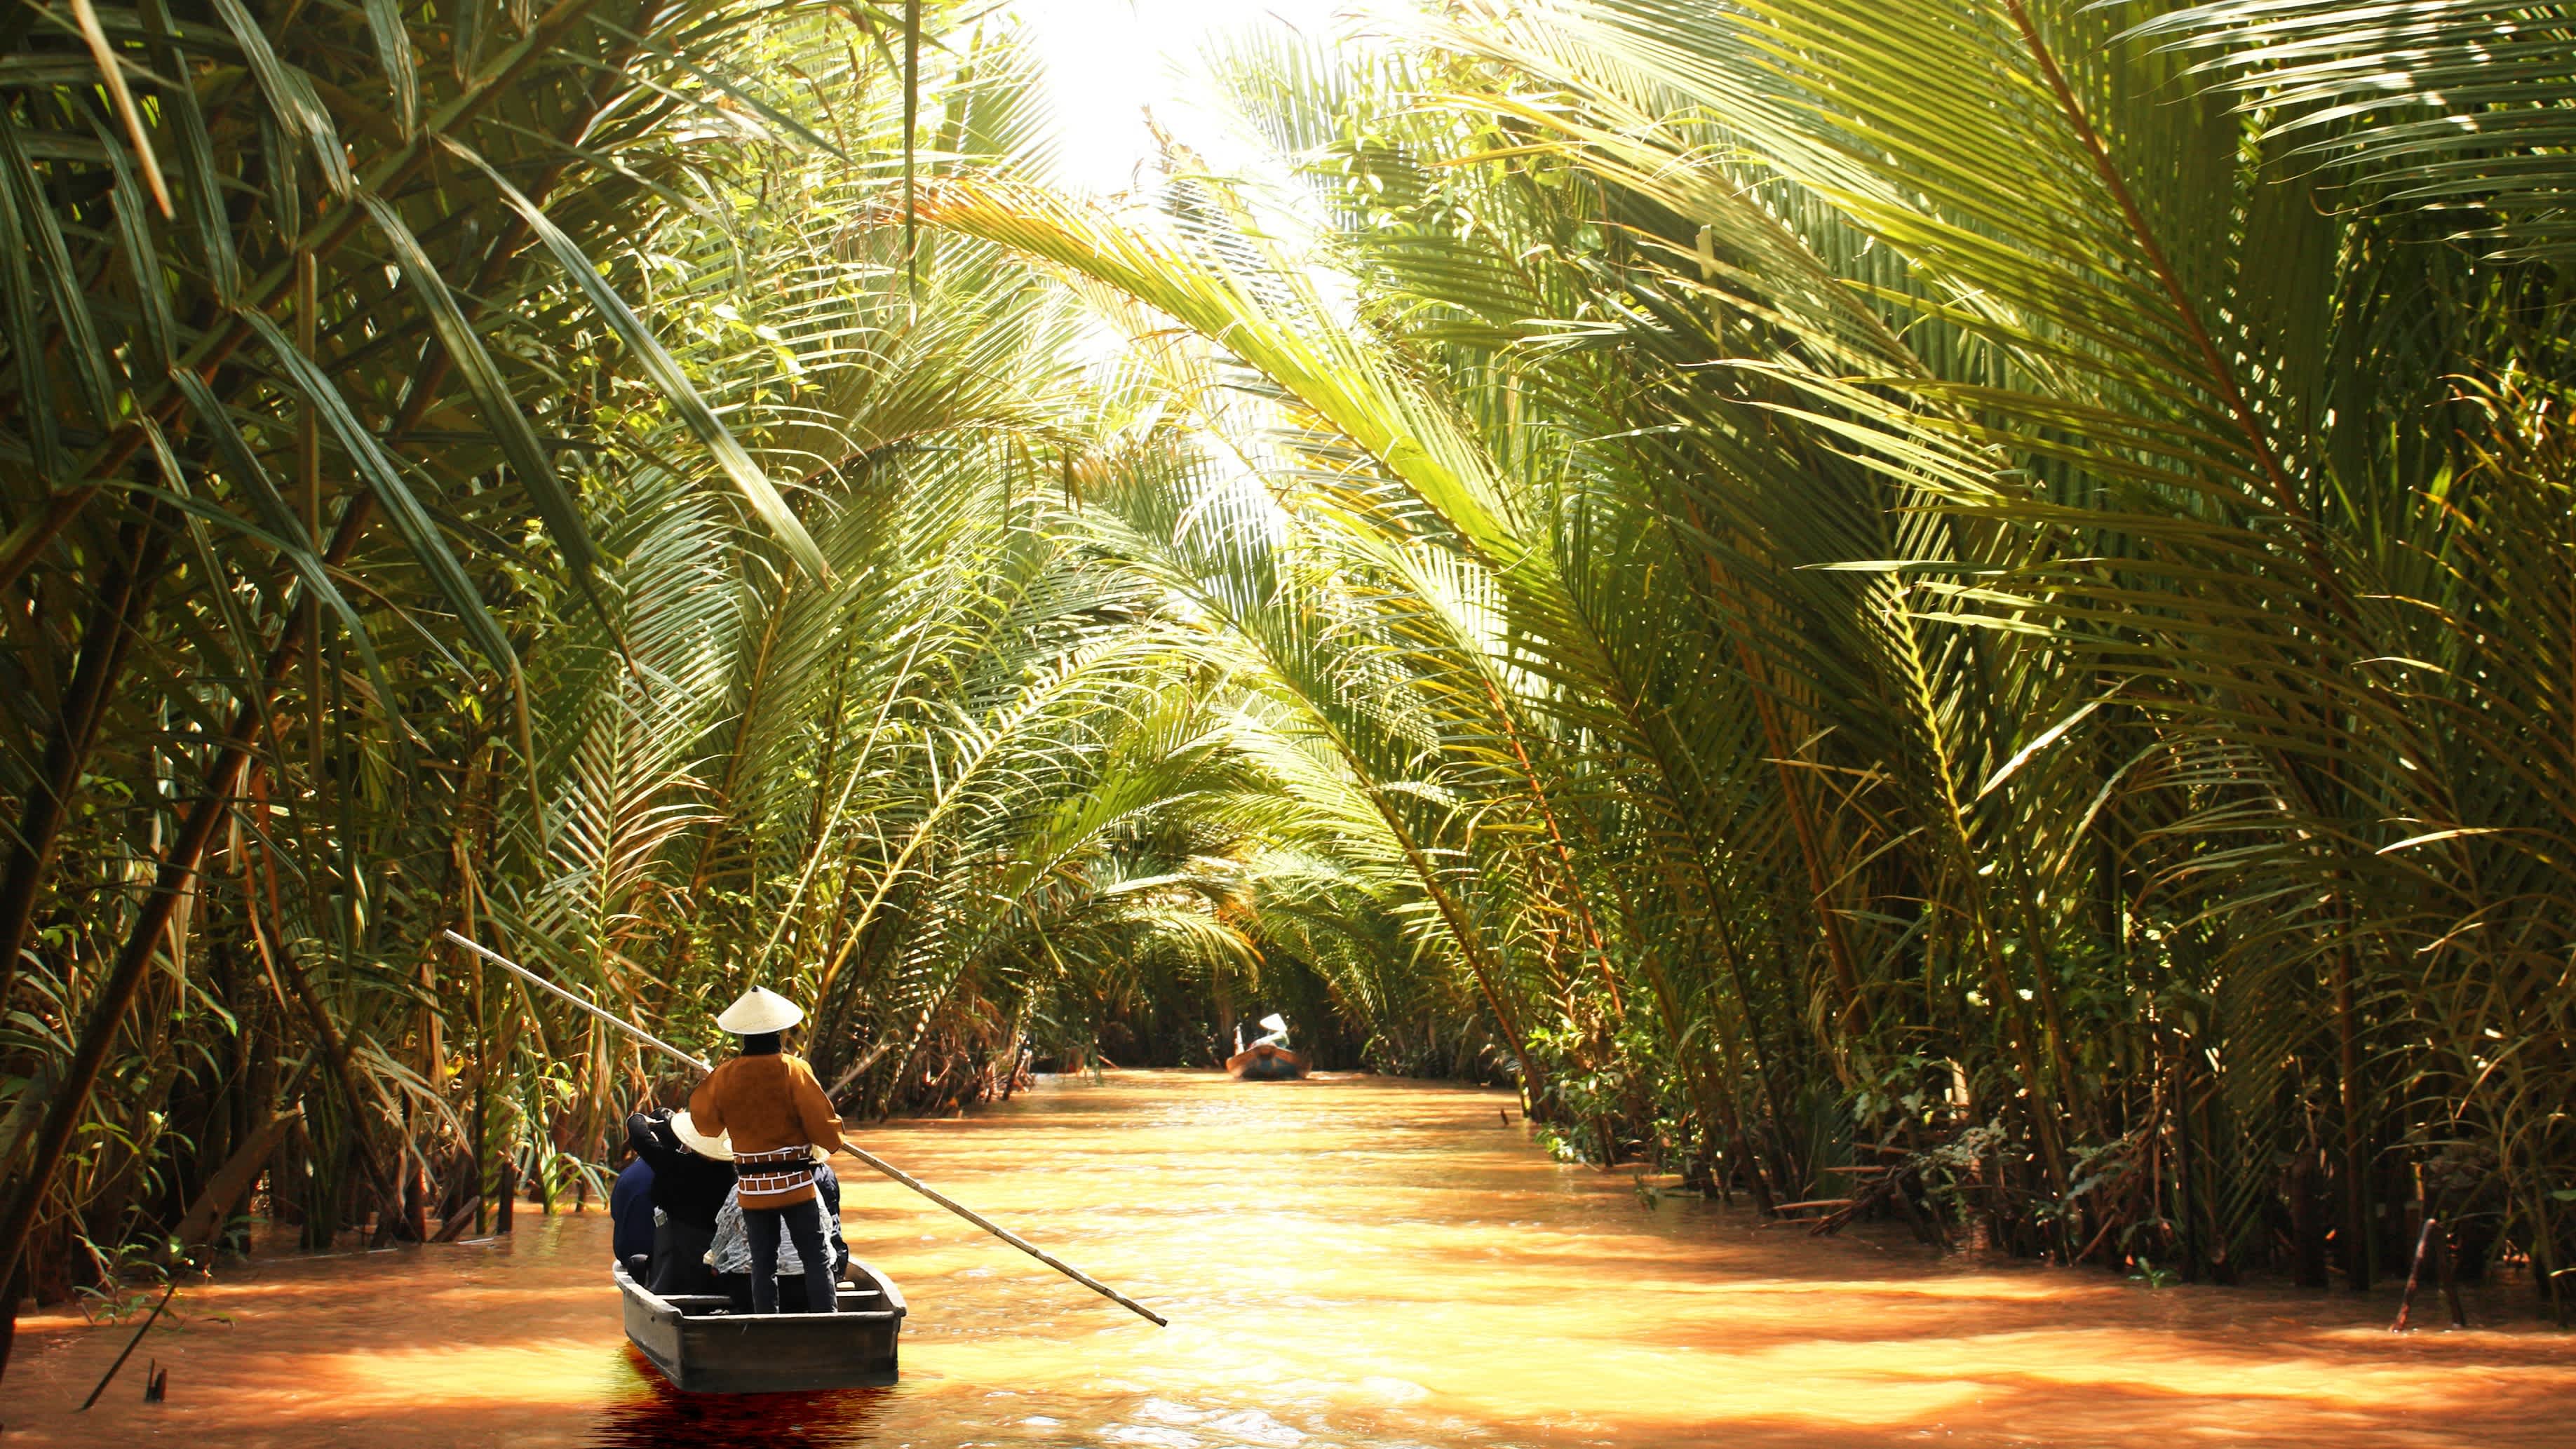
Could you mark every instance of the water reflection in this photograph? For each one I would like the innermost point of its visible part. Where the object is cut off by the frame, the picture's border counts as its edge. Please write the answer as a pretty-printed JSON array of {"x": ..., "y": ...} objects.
[
  {"x": 1350, "y": 1264},
  {"x": 650, "y": 1414}
]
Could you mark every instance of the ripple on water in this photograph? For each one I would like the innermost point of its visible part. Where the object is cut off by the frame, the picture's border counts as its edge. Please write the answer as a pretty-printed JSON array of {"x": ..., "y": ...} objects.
[{"x": 1160, "y": 1435}]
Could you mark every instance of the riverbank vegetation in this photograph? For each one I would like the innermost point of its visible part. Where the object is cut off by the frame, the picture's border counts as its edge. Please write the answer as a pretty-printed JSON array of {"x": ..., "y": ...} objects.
[{"x": 1961, "y": 610}]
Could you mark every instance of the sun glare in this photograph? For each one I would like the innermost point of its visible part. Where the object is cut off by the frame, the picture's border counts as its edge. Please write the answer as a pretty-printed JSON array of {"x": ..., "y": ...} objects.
[{"x": 1111, "y": 62}]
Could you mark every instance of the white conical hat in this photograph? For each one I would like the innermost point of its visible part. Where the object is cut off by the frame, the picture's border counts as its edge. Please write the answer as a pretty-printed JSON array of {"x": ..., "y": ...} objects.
[
  {"x": 1274, "y": 1022},
  {"x": 719, "y": 1148},
  {"x": 758, "y": 1010}
]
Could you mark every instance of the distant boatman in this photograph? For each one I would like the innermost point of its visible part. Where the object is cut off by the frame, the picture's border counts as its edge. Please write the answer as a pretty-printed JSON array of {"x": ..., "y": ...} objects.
[{"x": 781, "y": 1125}]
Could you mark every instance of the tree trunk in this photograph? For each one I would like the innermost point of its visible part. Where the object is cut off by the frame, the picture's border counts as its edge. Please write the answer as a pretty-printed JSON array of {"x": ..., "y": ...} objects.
[
  {"x": 124, "y": 596},
  {"x": 2357, "y": 1245},
  {"x": 16, "y": 1290},
  {"x": 176, "y": 877},
  {"x": 2307, "y": 1229},
  {"x": 178, "y": 868},
  {"x": 203, "y": 1224},
  {"x": 335, "y": 1053},
  {"x": 2178, "y": 1112}
]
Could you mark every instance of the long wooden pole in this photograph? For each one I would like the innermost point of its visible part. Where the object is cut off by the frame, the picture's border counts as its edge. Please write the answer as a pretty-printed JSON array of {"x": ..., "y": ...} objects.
[{"x": 870, "y": 1158}]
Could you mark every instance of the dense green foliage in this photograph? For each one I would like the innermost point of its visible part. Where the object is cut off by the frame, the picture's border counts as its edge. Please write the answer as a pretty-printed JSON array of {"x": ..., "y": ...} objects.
[
  {"x": 1958, "y": 608},
  {"x": 730, "y": 624}
]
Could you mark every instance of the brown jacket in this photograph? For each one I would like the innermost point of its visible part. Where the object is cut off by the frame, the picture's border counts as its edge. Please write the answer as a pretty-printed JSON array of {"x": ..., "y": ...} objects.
[{"x": 767, "y": 1103}]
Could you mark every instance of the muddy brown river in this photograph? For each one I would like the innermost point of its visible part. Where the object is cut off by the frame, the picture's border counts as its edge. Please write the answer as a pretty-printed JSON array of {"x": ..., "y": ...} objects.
[{"x": 1355, "y": 1263}]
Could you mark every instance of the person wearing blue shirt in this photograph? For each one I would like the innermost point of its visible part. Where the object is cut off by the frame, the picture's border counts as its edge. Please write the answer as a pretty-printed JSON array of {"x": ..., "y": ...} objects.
[{"x": 630, "y": 1207}]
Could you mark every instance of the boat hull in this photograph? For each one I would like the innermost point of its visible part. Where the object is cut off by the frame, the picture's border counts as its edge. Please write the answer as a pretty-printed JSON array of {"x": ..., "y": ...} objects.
[
  {"x": 703, "y": 1347},
  {"x": 1267, "y": 1064}
]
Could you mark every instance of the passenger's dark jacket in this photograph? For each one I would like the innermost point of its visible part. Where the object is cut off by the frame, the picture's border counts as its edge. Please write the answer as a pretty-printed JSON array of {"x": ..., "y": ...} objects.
[
  {"x": 630, "y": 1205},
  {"x": 687, "y": 1188}
]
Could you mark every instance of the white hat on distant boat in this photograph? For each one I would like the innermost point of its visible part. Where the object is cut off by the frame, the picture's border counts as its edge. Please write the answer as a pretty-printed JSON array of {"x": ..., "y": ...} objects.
[
  {"x": 759, "y": 1010},
  {"x": 719, "y": 1148}
]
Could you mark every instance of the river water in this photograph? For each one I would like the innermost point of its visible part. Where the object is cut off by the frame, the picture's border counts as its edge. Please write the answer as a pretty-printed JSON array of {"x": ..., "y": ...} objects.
[{"x": 1355, "y": 1262}]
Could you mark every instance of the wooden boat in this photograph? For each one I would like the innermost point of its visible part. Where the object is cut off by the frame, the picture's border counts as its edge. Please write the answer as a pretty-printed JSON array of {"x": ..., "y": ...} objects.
[
  {"x": 1264, "y": 1062},
  {"x": 703, "y": 1347}
]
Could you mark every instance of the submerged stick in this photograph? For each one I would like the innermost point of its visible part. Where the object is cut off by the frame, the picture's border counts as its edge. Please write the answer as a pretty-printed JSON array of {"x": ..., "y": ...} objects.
[
  {"x": 871, "y": 1159},
  {"x": 2414, "y": 1275},
  {"x": 2446, "y": 1264},
  {"x": 131, "y": 1344}
]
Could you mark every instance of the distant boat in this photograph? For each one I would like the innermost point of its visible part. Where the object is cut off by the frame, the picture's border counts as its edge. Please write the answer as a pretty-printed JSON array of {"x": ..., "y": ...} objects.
[
  {"x": 703, "y": 1347},
  {"x": 1266, "y": 1062}
]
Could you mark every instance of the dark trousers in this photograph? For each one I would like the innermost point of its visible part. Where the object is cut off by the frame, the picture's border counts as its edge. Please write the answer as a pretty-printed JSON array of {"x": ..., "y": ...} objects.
[
  {"x": 736, "y": 1287},
  {"x": 680, "y": 1259},
  {"x": 804, "y": 1223}
]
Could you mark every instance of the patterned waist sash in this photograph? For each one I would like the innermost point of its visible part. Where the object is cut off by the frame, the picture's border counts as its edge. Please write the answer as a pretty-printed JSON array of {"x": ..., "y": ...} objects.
[{"x": 784, "y": 1170}]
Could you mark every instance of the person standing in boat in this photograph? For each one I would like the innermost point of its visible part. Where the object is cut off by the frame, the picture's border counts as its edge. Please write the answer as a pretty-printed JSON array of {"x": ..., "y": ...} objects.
[
  {"x": 728, "y": 1256},
  {"x": 780, "y": 1126}
]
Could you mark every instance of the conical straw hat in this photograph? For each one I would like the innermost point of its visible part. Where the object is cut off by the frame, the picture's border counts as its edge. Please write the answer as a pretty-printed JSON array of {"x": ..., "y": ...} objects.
[
  {"x": 759, "y": 1010},
  {"x": 719, "y": 1148}
]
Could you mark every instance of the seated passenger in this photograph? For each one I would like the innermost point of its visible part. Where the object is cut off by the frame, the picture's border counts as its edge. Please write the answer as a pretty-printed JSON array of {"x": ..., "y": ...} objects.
[
  {"x": 729, "y": 1256},
  {"x": 692, "y": 1174},
  {"x": 630, "y": 1208}
]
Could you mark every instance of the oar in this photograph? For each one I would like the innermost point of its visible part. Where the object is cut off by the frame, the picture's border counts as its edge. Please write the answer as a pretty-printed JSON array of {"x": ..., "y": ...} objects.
[{"x": 870, "y": 1158}]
